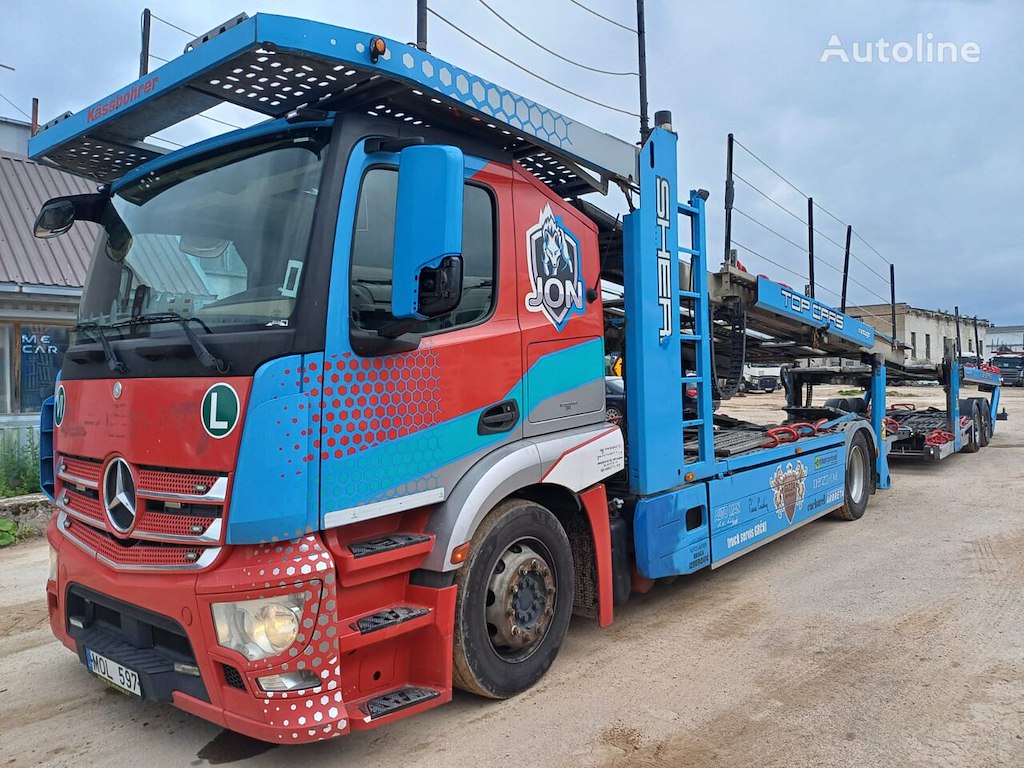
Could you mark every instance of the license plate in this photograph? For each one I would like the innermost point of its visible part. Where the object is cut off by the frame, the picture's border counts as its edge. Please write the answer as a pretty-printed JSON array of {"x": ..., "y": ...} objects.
[{"x": 118, "y": 676}]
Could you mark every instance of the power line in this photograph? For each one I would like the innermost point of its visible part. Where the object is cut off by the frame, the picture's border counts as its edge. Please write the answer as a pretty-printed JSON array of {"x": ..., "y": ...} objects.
[
  {"x": 175, "y": 26},
  {"x": 765, "y": 226},
  {"x": 600, "y": 16},
  {"x": 158, "y": 58},
  {"x": 527, "y": 71},
  {"x": 26, "y": 114},
  {"x": 222, "y": 122},
  {"x": 762, "y": 162},
  {"x": 522, "y": 34},
  {"x": 167, "y": 141},
  {"x": 768, "y": 198}
]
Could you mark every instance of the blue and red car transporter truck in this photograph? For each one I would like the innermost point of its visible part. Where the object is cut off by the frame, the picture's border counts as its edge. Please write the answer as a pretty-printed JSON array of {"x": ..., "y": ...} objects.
[{"x": 331, "y": 436}]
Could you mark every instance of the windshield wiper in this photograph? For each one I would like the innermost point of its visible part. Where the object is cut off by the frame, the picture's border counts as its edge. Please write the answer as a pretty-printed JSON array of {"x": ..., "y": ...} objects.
[
  {"x": 205, "y": 356},
  {"x": 113, "y": 361}
]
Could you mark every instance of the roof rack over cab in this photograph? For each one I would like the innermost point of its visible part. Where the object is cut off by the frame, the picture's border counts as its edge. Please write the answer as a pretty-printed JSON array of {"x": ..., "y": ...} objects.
[{"x": 275, "y": 64}]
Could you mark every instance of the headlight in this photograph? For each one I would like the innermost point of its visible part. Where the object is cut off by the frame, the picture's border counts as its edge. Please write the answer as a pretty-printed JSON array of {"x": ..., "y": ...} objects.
[
  {"x": 259, "y": 628},
  {"x": 52, "y": 574}
]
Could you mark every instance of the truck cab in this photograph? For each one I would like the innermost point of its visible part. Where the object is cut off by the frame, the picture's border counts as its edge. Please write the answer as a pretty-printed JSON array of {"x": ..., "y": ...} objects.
[{"x": 1011, "y": 368}]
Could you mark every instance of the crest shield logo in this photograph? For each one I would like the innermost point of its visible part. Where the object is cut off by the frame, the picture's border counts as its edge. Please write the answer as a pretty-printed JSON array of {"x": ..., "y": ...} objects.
[
  {"x": 789, "y": 488},
  {"x": 555, "y": 274}
]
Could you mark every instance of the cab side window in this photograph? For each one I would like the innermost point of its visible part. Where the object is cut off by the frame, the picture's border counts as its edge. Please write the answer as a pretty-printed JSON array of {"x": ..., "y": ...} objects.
[{"x": 373, "y": 244}]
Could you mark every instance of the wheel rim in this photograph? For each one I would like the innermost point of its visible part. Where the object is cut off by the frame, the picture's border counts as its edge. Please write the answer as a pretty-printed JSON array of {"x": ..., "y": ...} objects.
[
  {"x": 613, "y": 415},
  {"x": 521, "y": 598},
  {"x": 858, "y": 473}
]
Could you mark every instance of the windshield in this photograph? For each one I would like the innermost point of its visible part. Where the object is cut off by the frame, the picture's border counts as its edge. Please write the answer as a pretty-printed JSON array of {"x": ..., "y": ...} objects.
[
  {"x": 1008, "y": 363},
  {"x": 223, "y": 239}
]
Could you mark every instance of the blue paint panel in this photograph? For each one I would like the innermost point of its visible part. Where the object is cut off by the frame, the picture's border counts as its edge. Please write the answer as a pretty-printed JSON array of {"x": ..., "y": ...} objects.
[
  {"x": 789, "y": 303},
  {"x": 563, "y": 370},
  {"x": 978, "y": 376},
  {"x": 46, "y": 483},
  {"x": 654, "y": 397},
  {"x": 752, "y": 506},
  {"x": 275, "y": 492},
  {"x": 663, "y": 545},
  {"x": 876, "y": 396}
]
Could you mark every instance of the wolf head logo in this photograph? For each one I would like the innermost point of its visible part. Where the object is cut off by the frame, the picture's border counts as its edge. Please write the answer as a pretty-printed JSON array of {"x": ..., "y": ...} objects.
[{"x": 554, "y": 262}]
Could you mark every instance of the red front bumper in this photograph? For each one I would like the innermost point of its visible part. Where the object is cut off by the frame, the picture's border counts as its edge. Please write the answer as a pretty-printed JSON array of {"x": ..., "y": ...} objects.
[{"x": 235, "y": 699}]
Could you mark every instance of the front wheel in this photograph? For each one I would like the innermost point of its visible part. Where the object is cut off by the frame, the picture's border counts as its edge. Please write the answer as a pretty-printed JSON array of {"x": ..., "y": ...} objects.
[
  {"x": 514, "y": 601},
  {"x": 858, "y": 479}
]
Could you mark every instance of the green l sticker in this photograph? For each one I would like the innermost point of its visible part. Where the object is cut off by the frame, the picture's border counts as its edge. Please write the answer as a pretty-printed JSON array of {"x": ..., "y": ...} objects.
[
  {"x": 59, "y": 402},
  {"x": 220, "y": 410}
]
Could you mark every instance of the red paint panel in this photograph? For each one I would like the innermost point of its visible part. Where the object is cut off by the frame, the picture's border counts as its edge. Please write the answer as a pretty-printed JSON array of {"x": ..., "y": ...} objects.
[{"x": 154, "y": 421}]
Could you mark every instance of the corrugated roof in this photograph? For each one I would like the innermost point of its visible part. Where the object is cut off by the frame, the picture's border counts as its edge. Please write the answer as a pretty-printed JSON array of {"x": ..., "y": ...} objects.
[{"x": 24, "y": 259}]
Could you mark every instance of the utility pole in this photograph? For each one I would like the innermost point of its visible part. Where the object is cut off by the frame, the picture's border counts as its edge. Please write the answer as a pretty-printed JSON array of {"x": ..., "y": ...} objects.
[
  {"x": 147, "y": 20},
  {"x": 641, "y": 40},
  {"x": 421, "y": 24}
]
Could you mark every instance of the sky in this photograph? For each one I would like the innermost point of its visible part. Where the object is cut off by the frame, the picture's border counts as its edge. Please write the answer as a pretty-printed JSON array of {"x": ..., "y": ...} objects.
[{"x": 924, "y": 160}]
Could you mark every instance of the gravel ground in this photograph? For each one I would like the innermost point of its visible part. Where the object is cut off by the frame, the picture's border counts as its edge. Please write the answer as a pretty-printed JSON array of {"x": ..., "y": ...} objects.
[{"x": 897, "y": 640}]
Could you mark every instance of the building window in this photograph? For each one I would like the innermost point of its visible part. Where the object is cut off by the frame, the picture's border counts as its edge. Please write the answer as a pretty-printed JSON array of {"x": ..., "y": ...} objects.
[
  {"x": 970, "y": 344},
  {"x": 927, "y": 346},
  {"x": 42, "y": 349},
  {"x": 30, "y": 357},
  {"x": 913, "y": 345}
]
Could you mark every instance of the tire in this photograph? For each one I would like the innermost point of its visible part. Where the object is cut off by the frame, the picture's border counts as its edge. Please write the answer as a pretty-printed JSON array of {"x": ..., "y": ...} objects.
[
  {"x": 984, "y": 408},
  {"x": 836, "y": 402},
  {"x": 613, "y": 415},
  {"x": 520, "y": 547},
  {"x": 859, "y": 477},
  {"x": 973, "y": 442}
]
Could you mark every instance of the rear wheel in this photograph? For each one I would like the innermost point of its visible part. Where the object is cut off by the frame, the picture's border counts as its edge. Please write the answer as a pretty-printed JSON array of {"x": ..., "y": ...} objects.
[
  {"x": 985, "y": 432},
  {"x": 858, "y": 479},
  {"x": 972, "y": 444},
  {"x": 514, "y": 601}
]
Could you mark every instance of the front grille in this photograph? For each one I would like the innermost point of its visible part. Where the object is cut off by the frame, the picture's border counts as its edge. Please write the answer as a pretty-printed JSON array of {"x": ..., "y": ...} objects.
[
  {"x": 145, "y": 642},
  {"x": 173, "y": 507},
  {"x": 233, "y": 677},
  {"x": 175, "y": 481},
  {"x": 136, "y": 555}
]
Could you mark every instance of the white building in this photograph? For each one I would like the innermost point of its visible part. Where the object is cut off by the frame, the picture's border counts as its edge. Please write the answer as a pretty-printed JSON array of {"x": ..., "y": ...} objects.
[
  {"x": 1005, "y": 338},
  {"x": 924, "y": 330}
]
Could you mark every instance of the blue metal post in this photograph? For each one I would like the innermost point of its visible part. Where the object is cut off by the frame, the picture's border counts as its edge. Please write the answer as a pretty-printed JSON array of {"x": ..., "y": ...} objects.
[
  {"x": 654, "y": 398},
  {"x": 878, "y": 381},
  {"x": 953, "y": 401}
]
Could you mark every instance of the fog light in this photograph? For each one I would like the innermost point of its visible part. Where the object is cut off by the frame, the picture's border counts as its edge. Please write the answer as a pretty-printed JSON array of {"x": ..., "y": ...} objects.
[{"x": 289, "y": 681}]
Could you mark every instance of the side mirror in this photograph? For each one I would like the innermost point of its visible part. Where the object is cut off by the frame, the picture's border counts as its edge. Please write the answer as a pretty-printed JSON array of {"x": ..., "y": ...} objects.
[
  {"x": 55, "y": 218},
  {"x": 427, "y": 267}
]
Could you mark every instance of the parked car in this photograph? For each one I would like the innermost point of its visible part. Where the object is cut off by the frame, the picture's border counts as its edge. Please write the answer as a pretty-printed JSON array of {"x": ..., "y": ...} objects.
[{"x": 615, "y": 400}]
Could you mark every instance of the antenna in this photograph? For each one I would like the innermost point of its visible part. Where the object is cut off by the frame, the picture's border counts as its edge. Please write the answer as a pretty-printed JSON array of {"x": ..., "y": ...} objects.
[{"x": 641, "y": 41}]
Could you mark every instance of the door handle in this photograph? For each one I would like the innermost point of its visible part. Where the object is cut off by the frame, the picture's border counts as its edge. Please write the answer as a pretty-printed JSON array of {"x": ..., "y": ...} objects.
[{"x": 498, "y": 418}]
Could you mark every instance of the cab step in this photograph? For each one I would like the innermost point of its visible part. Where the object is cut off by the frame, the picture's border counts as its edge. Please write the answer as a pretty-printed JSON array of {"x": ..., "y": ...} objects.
[
  {"x": 372, "y": 559},
  {"x": 389, "y": 617},
  {"x": 367, "y": 547},
  {"x": 383, "y": 626},
  {"x": 397, "y": 700}
]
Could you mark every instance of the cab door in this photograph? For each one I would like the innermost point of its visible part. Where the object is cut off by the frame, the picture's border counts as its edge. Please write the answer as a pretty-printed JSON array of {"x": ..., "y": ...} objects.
[
  {"x": 559, "y": 309},
  {"x": 401, "y": 426}
]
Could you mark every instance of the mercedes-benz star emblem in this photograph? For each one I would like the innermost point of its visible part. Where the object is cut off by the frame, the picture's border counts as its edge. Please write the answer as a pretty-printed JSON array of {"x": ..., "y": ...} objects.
[{"x": 119, "y": 495}]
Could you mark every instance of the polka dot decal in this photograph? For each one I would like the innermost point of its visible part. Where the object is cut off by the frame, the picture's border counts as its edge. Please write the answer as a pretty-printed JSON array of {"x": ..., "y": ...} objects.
[{"x": 315, "y": 713}]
